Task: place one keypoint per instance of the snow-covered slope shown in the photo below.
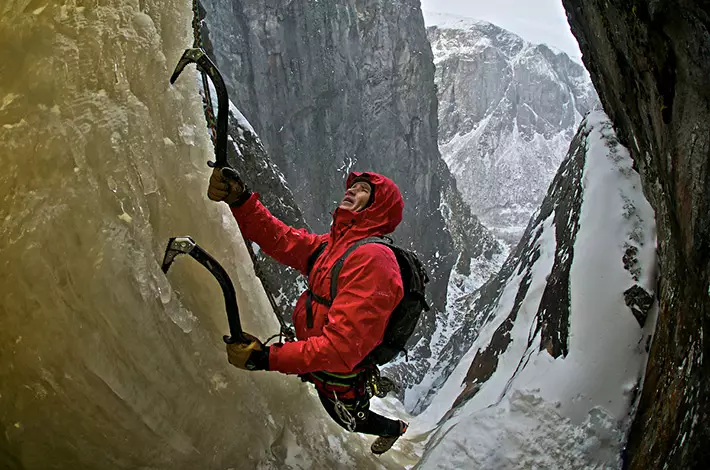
(508, 110)
(551, 379)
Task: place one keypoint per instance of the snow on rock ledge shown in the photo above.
(551, 379)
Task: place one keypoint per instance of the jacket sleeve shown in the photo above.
(369, 288)
(285, 244)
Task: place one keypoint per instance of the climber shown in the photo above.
(333, 338)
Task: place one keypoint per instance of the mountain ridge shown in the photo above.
(508, 110)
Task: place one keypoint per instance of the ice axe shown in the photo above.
(200, 58)
(186, 245)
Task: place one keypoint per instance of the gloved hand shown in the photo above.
(231, 190)
(249, 356)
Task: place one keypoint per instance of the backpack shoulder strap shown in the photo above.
(314, 257)
(335, 271)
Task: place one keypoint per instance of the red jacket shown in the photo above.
(369, 284)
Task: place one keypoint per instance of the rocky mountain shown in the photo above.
(557, 352)
(651, 65)
(489, 82)
(508, 110)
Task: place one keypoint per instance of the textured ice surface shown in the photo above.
(105, 362)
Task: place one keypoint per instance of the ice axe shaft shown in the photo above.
(186, 245)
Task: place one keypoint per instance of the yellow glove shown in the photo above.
(230, 190)
(249, 356)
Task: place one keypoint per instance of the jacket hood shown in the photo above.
(382, 215)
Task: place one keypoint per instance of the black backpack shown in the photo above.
(406, 314)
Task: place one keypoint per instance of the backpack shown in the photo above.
(405, 315)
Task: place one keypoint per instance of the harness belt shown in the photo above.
(352, 386)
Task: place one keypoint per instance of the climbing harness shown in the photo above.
(218, 132)
(361, 386)
(366, 383)
(357, 388)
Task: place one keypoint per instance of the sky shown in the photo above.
(537, 21)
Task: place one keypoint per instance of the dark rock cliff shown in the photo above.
(650, 63)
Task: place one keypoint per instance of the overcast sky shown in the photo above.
(537, 21)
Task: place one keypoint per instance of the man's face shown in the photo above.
(356, 197)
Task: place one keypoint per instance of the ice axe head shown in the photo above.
(194, 55)
(176, 246)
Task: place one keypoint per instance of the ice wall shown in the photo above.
(105, 362)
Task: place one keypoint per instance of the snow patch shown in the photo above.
(536, 411)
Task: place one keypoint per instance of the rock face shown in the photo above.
(471, 239)
(650, 62)
(348, 86)
(508, 110)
